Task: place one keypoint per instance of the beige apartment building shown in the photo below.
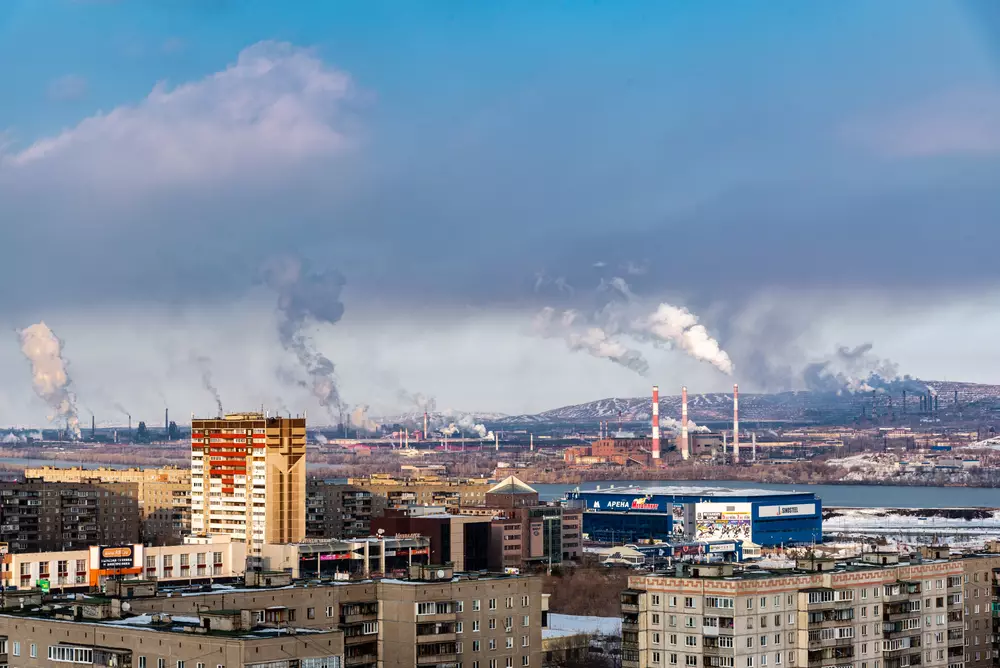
(437, 618)
(248, 478)
(979, 580)
(207, 641)
(164, 496)
(401, 493)
(873, 612)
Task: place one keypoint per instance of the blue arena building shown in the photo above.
(699, 514)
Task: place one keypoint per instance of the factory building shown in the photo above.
(686, 514)
(248, 478)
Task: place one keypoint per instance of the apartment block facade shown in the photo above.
(248, 478)
(38, 516)
(164, 496)
(822, 615)
(340, 511)
(437, 619)
(425, 491)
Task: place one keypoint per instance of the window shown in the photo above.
(525, 601)
(475, 645)
(763, 602)
(142, 661)
(655, 599)
(475, 626)
(656, 638)
(688, 602)
(524, 641)
(656, 657)
(493, 622)
(459, 627)
(673, 601)
(763, 660)
(65, 653)
(690, 622)
(461, 606)
(524, 660)
(509, 602)
(690, 660)
(493, 604)
(180, 664)
(749, 604)
(161, 663)
(510, 642)
(691, 641)
(33, 650)
(673, 659)
(475, 605)
(310, 613)
(329, 611)
(526, 620)
(16, 651)
(750, 642)
(493, 643)
(749, 662)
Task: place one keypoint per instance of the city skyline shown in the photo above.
(798, 180)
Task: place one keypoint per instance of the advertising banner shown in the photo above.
(110, 558)
(787, 511)
(723, 521)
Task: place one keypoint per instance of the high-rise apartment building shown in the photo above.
(164, 496)
(340, 511)
(248, 478)
(38, 516)
(982, 611)
(873, 612)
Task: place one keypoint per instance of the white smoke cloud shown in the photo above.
(676, 326)
(673, 425)
(321, 439)
(274, 107)
(587, 337)
(48, 374)
(360, 419)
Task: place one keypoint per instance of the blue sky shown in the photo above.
(441, 155)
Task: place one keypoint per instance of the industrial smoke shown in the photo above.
(49, 376)
(590, 338)
(305, 296)
(205, 367)
(851, 370)
(678, 327)
(360, 419)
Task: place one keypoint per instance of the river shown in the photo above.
(870, 496)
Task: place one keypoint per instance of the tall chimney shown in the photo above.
(935, 403)
(736, 424)
(93, 428)
(685, 444)
(956, 398)
(496, 441)
(656, 422)
(531, 438)
(166, 420)
(425, 425)
(129, 427)
(753, 436)
(904, 402)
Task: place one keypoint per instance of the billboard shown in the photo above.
(787, 511)
(723, 521)
(109, 558)
(625, 502)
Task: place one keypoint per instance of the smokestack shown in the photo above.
(724, 449)
(753, 437)
(956, 398)
(874, 406)
(166, 421)
(129, 427)
(496, 441)
(532, 445)
(425, 425)
(935, 403)
(904, 402)
(685, 444)
(93, 428)
(656, 422)
(736, 424)
(407, 432)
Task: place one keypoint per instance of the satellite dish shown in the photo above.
(126, 606)
(440, 574)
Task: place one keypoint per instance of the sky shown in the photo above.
(798, 176)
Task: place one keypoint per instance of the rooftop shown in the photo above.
(512, 485)
(692, 490)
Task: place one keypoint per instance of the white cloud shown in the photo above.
(68, 88)
(957, 123)
(276, 106)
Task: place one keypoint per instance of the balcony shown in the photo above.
(434, 659)
(105, 657)
(361, 660)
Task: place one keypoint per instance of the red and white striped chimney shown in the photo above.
(656, 422)
(736, 424)
(685, 444)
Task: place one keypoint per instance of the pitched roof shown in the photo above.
(511, 485)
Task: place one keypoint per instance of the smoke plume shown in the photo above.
(205, 366)
(590, 338)
(676, 326)
(417, 400)
(306, 295)
(670, 424)
(851, 370)
(49, 377)
(360, 419)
